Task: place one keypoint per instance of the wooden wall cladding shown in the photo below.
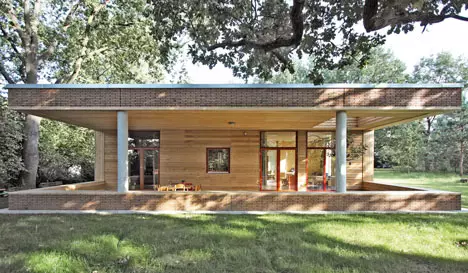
(183, 157)
(110, 159)
(354, 166)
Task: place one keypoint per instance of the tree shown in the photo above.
(440, 68)
(256, 37)
(403, 14)
(401, 145)
(67, 153)
(70, 42)
(452, 131)
(10, 147)
(382, 66)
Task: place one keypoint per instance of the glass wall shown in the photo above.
(320, 161)
(143, 159)
(143, 139)
(278, 161)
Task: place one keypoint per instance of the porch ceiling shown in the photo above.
(243, 119)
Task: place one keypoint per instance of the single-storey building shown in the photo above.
(234, 147)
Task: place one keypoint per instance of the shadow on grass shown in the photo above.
(224, 243)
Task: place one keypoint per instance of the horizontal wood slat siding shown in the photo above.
(110, 159)
(354, 166)
(183, 157)
(368, 158)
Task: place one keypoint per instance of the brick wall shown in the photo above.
(235, 201)
(373, 186)
(423, 97)
(232, 97)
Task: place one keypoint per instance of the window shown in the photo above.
(278, 139)
(143, 139)
(320, 140)
(278, 161)
(320, 162)
(143, 159)
(218, 160)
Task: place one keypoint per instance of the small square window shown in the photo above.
(218, 160)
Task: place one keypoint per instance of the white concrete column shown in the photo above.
(341, 124)
(122, 151)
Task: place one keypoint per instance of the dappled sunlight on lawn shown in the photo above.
(233, 243)
(46, 262)
(437, 181)
(107, 247)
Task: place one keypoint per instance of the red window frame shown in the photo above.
(278, 151)
(324, 181)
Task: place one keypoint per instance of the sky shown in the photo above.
(450, 35)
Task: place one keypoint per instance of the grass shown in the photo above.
(438, 181)
(234, 243)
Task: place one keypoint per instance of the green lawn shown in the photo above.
(438, 181)
(234, 243)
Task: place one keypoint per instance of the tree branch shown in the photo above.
(45, 55)
(287, 63)
(12, 43)
(373, 20)
(5, 74)
(458, 17)
(84, 45)
(16, 26)
(297, 23)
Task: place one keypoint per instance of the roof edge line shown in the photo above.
(230, 86)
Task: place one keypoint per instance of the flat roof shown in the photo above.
(231, 86)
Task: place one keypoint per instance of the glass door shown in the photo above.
(287, 170)
(278, 161)
(151, 169)
(269, 170)
(278, 170)
(316, 169)
(134, 169)
(320, 170)
(143, 164)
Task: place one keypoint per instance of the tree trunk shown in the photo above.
(461, 158)
(30, 151)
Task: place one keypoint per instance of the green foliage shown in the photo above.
(401, 145)
(258, 37)
(120, 49)
(381, 67)
(67, 152)
(88, 41)
(441, 68)
(449, 141)
(11, 136)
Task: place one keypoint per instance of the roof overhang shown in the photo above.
(258, 106)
